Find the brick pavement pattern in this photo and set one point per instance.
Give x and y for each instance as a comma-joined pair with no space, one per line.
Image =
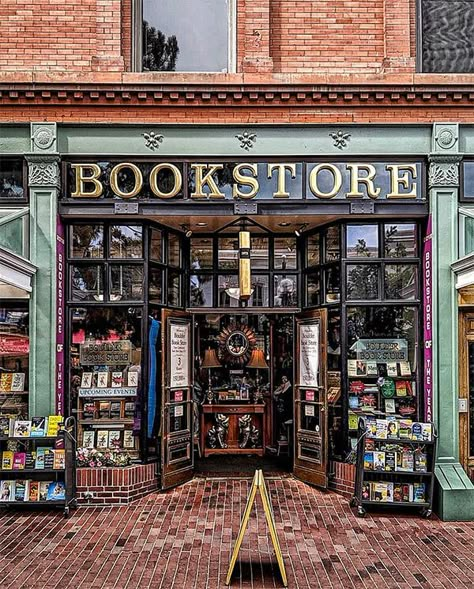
183,539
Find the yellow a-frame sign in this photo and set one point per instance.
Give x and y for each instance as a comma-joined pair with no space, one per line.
258,484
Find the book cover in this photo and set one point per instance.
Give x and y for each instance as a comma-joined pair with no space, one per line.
404,429
88,410
421,464
19,459
392,428
6,379
365,491
117,380
39,459
392,369
114,439
382,429
369,445
390,461
102,380
426,432
371,427
128,439
369,461
351,368
43,490
59,443
115,410
379,460
407,492
54,422
88,438
389,405
102,439
405,368
419,492
48,458
372,369
132,379
416,431
18,382
33,491
38,426
59,462
129,409
20,490
104,409
56,491
86,380
353,421
397,492
7,490
401,388
405,462
5,425
30,460
22,429
382,492
7,460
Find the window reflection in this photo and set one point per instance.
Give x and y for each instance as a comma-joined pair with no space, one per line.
362,282
285,291
11,178
87,283
400,281
126,282
228,253
200,286
400,240
313,256
87,241
285,253
362,241
126,241
201,253
259,252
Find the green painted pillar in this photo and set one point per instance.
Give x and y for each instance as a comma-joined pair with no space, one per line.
454,490
43,182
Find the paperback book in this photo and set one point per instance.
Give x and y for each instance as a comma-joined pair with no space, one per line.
56,491
19,459
38,426
22,429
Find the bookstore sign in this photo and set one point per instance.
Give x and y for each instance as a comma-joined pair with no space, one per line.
382,350
106,353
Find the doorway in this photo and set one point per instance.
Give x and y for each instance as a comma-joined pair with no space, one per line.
466,391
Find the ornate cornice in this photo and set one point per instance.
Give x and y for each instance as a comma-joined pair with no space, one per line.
43,171
202,95
443,170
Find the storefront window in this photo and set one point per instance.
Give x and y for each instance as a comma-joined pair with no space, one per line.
11,179
174,288
174,250
126,282
14,360
400,281
362,282
155,285
87,283
201,253
87,241
285,253
332,244
312,250
259,258
201,290
228,253
313,289
400,240
156,245
285,289
126,241
362,241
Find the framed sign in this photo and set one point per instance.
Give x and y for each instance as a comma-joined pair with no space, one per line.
309,355
179,354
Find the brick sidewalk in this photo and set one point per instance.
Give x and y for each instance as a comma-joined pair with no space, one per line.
183,538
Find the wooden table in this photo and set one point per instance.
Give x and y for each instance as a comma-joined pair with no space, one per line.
233,412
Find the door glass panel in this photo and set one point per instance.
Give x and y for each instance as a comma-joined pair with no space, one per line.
201,287
228,295
332,244
471,397
174,288
174,244
259,296
333,284
156,250
313,289
155,285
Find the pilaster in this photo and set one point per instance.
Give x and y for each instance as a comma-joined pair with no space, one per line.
455,492
43,183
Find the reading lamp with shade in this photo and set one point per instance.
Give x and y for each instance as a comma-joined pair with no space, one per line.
210,360
257,360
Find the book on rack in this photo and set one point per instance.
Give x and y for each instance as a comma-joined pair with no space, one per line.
59,462
405,368
382,492
365,491
351,368
48,458
392,429
391,369
54,422
22,429
6,379
379,460
353,420
370,427
390,461
19,459
389,405
18,382
401,388
368,460
56,491
405,461
88,438
397,492
114,439
30,460
369,444
372,369
102,380
33,490
117,380
115,410
102,438
38,426
382,429
5,426
419,492
128,439
20,490
88,411
43,490
39,459
427,432
7,490
7,460
416,431
404,429
86,380
420,461
104,409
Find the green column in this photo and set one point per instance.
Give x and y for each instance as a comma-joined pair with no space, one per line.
43,182
454,490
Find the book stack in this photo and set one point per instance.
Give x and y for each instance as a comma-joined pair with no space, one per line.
389,492
29,490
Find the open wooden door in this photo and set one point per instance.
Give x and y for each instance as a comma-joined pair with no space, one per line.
466,391
177,436
310,403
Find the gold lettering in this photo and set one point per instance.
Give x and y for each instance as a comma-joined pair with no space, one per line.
404,180
114,180
201,181
245,181
337,180
281,178
82,180
178,180
368,180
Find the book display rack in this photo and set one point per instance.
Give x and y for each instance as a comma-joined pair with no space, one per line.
395,463
38,462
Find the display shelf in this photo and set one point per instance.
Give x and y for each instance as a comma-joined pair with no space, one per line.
106,422
31,470
397,472
397,503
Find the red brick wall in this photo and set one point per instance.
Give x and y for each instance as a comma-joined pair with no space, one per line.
342,478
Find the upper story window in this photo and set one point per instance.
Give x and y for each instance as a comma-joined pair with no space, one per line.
186,36
447,36
12,180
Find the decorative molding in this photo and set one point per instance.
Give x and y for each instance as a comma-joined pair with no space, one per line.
247,140
43,171
443,171
43,136
446,136
152,140
341,139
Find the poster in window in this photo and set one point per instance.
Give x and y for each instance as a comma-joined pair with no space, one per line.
179,355
309,355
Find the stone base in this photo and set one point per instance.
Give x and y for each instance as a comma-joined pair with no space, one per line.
342,478
115,486
454,493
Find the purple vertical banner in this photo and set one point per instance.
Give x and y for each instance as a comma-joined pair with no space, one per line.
60,315
428,321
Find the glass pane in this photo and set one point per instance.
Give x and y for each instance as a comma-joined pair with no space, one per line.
259,298
400,281
333,284
313,251
14,360
471,398
126,241
200,287
400,240
126,283
174,289
362,241
333,244
313,289
87,283
285,253
201,253
259,253
468,235
285,290
155,285
11,178
173,32
174,246
156,245
87,241
362,282
228,291
228,253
